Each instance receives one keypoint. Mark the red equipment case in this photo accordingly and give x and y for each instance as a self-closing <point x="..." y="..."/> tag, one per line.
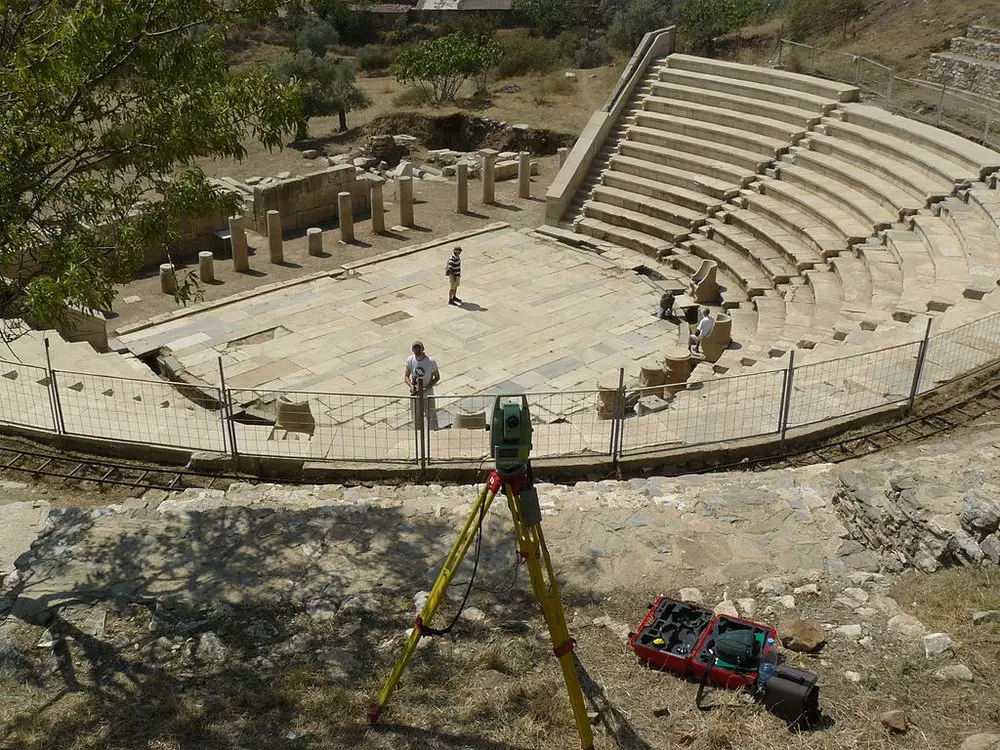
<point x="681" y="638"/>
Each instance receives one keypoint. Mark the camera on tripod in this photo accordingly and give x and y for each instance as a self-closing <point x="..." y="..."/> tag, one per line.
<point x="510" y="432"/>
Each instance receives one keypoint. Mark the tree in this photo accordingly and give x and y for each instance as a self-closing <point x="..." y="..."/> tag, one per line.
<point x="439" y="67"/>
<point x="633" y="19"/>
<point x="548" y="16"/>
<point x="316" y="35"/>
<point x="326" y="86"/>
<point x="103" y="103"/>
<point x="706" y="20"/>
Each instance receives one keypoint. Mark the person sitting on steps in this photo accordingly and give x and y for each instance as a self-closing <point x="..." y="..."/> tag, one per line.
<point x="704" y="330"/>
<point x="666" y="306"/>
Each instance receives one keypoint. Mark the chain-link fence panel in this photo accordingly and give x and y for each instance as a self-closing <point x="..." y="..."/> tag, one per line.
<point x="713" y="410"/>
<point x="874" y="77"/>
<point x="850" y="385"/>
<point x="325" y="426"/>
<point x="141" y="411"/>
<point x="26" y="396"/>
<point x="960" y="351"/>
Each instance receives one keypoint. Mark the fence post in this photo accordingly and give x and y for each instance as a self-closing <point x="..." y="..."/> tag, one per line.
<point x="986" y="130"/>
<point x="940" y="104"/>
<point x="813" y="71"/>
<point x="54" y="404"/>
<point x="417" y="404"/>
<point x="918" y="370"/>
<point x="617" y="418"/>
<point x="226" y="404"/>
<point x="888" y="92"/>
<point x="857" y="70"/>
<point x="786" y="395"/>
<point x="781" y="48"/>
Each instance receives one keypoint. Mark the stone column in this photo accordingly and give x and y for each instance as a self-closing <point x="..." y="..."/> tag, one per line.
<point x="405" y="195"/>
<point x="462" y="202"/>
<point x="274" y="237"/>
<point x="524" y="174"/>
<point x="378" y="209"/>
<point x="206" y="267"/>
<point x="314" y="236"/>
<point x="345" y="215"/>
<point x="238" y="242"/>
<point x="563" y="154"/>
<point x="677" y="364"/>
<point x="489" y="161"/>
<point x="168" y="279"/>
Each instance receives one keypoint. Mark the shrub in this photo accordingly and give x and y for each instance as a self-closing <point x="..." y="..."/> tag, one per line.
<point x="317" y="36"/>
<point x="411" y="97"/>
<point x="805" y="17"/>
<point x="440" y="66"/>
<point x="407" y="33"/>
<point x="592" y="53"/>
<point x="549" y="87"/>
<point x="633" y="19"/>
<point x="548" y="16"/>
<point x="523" y="54"/>
<point x="374" y="57"/>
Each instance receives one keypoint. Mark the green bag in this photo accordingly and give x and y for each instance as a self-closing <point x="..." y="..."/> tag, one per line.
<point x="737" y="649"/>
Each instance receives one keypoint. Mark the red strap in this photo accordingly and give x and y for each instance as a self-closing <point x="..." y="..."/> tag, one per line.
<point x="418" y="625"/>
<point x="565" y="648"/>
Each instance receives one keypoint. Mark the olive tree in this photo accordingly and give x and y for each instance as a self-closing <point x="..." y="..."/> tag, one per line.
<point x="439" y="67"/>
<point x="326" y="86"/>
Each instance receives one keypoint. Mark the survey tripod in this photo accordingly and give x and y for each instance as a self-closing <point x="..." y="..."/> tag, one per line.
<point x="510" y="446"/>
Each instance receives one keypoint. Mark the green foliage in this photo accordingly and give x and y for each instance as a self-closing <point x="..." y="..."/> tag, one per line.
<point x="523" y="54"/>
<point x="549" y="87"/>
<point x="326" y="87"/>
<point x="101" y="102"/>
<point x="592" y="53"/>
<point x="440" y="66"/>
<point x="410" y="97"/>
<point x="350" y="20"/>
<point x="705" y="20"/>
<point x="404" y="33"/>
<point x="317" y="36"/>
<point x="549" y="17"/>
<point x="805" y="17"/>
<point x="374" y="57"/>
<point x="632" y="19"/>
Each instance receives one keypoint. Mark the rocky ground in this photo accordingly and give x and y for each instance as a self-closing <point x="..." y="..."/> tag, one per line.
<point x="269" y="615"/>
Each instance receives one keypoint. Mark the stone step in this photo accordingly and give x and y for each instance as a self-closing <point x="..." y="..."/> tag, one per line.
<point x="922" y="290"/>
<point x="691" y="182"/>
<point x="855" y="204"/>
<point x="726" y="154"/>
<point x="783" y="79"/>
<point x="917" y="182"/>
<point x="630" y="238"/>
<point x="763" y="126"/>
<point x="671" y="213"/>
<point x="730" y="174"/>
<point x="695" y="201"/>
<point x="741" y="104"/>
<point x="976" y="237"/>
<point x="684" y="259"/>
<point x="949" y="147"/>
<point x="798" y="249"/>
<point x="751" y="279"/>
<point x="749" y="89"/>
<point x="768" y="260"/>
<point x="887" y="194"/>
<point x="818" y="208"/>
<point x="856" y="283"/>
<point x="987" y="202"/>
<point x="718" y="134"/>
<point x="622" y="217"/>
<point x="898" y="149"/>
<point x="886" y="277"/>
<point x="942" y="245"/>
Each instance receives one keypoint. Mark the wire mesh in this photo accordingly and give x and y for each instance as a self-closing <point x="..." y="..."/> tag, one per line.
<point x="960" y="351"/>
<point x="325" y="426"/>
<point x="25" y="396"/>
<point x="850" y="385"/>
<point x="140" y="411"/>
<point x="874" y="77"/>
<point x="839" y="66"/>
<point x="699" y="412"/>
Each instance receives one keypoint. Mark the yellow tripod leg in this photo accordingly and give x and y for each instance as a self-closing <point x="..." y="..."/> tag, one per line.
<point x="531" y="544"/>
<point x="448" y="570"/>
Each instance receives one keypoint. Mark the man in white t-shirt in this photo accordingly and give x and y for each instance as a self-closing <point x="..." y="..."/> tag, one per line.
<point x="703" y="331"/>
<point x="420" y="377"/>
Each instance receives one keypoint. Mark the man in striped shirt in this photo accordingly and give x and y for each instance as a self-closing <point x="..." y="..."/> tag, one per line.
<point x="454" y="273"/>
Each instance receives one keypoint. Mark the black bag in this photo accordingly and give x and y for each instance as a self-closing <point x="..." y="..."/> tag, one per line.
<point x="737" y="648"/>
<point x="793" y="695"/>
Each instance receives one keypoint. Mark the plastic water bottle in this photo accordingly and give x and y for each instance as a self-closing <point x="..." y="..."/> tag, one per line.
<point x="768" y="661"/>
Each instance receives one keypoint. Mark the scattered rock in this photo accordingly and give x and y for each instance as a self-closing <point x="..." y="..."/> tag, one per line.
<point x="661" y="712"/>
<point x="981" y="742"/>
<point x="691" y="595"/>
<point x="406" y="140"/>
<point x="853" y="597"/>
<point x="310" y="153"/>
<point x="936" y="644"/>
<point x="809" y="589"/>
<point x="894" y="721"/>
<point x="211" y="649"/>
<point x="980" y="513"/>
<point x="987" y="617"/>
<point x="799" y="635"/>
<point x="787" y="601"/>
<point x="886" y="605"/>
<point x="420" y="599"/>
<point x="773" y="586"/>
<point x="849" y="631"/>
<point x="726" y="608"/>
<point x="252" y="180"/>
<point x="283" y="175"/>
<point x="473" y="614"/>
<point x="336" y="161"/>
<point x="852" y="677"/>
<point x="569" y="76"/>
<point x="954" y="673"/>
<point x="991" y="548"/>
<point x="965" y="548"/>
<point x="906" y="626"/>
<point x="747" y="607"/>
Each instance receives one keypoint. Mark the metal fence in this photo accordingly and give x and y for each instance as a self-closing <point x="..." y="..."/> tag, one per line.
<point x="962" y="111"/>
<point x="415" y="431"/>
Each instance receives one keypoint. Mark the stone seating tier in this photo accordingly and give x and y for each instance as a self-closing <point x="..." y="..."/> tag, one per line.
<point x="763" y="126"/>
<point x="821" y="239"/>
<point x="710" y="132"/>
<point x="843" y="195"/>
<point x="905" y="152"/>
<point x="692" y="182"/>
<point x="747" y="89"/>
<point x="855" y="281"/>
<point x="987" y="202"/>
<point x="782" y="237"/>
<point x="619" y="235"/>
<point x="819" y="209"/>
<point x="976" y="237"/>
<point x="747" y="106"/>
<point x="763" y="259"/>
<point x="694" y="201"/>
<point x="923" y="290"/>
<point x="672" y="213"/>
<point x="752" y="281"/>
<point x="887" y="194"/>
<point x="793" y="82"/>
<point x="971" y="157"/>
<point x="676" y="142"/>
<point x="729" y="174"/>
<point x="617" y="216"/>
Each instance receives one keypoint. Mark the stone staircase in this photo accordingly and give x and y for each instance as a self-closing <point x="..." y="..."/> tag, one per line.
<point x="972" y="62"/>
<point x="836" y="226"/>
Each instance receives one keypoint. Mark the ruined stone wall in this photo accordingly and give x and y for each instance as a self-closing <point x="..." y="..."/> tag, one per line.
<point x="308" y="200"/>
<point x="971" y="63"/>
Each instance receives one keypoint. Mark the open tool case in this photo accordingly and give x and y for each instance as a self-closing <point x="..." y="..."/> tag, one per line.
<point x="681" y="638"/>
